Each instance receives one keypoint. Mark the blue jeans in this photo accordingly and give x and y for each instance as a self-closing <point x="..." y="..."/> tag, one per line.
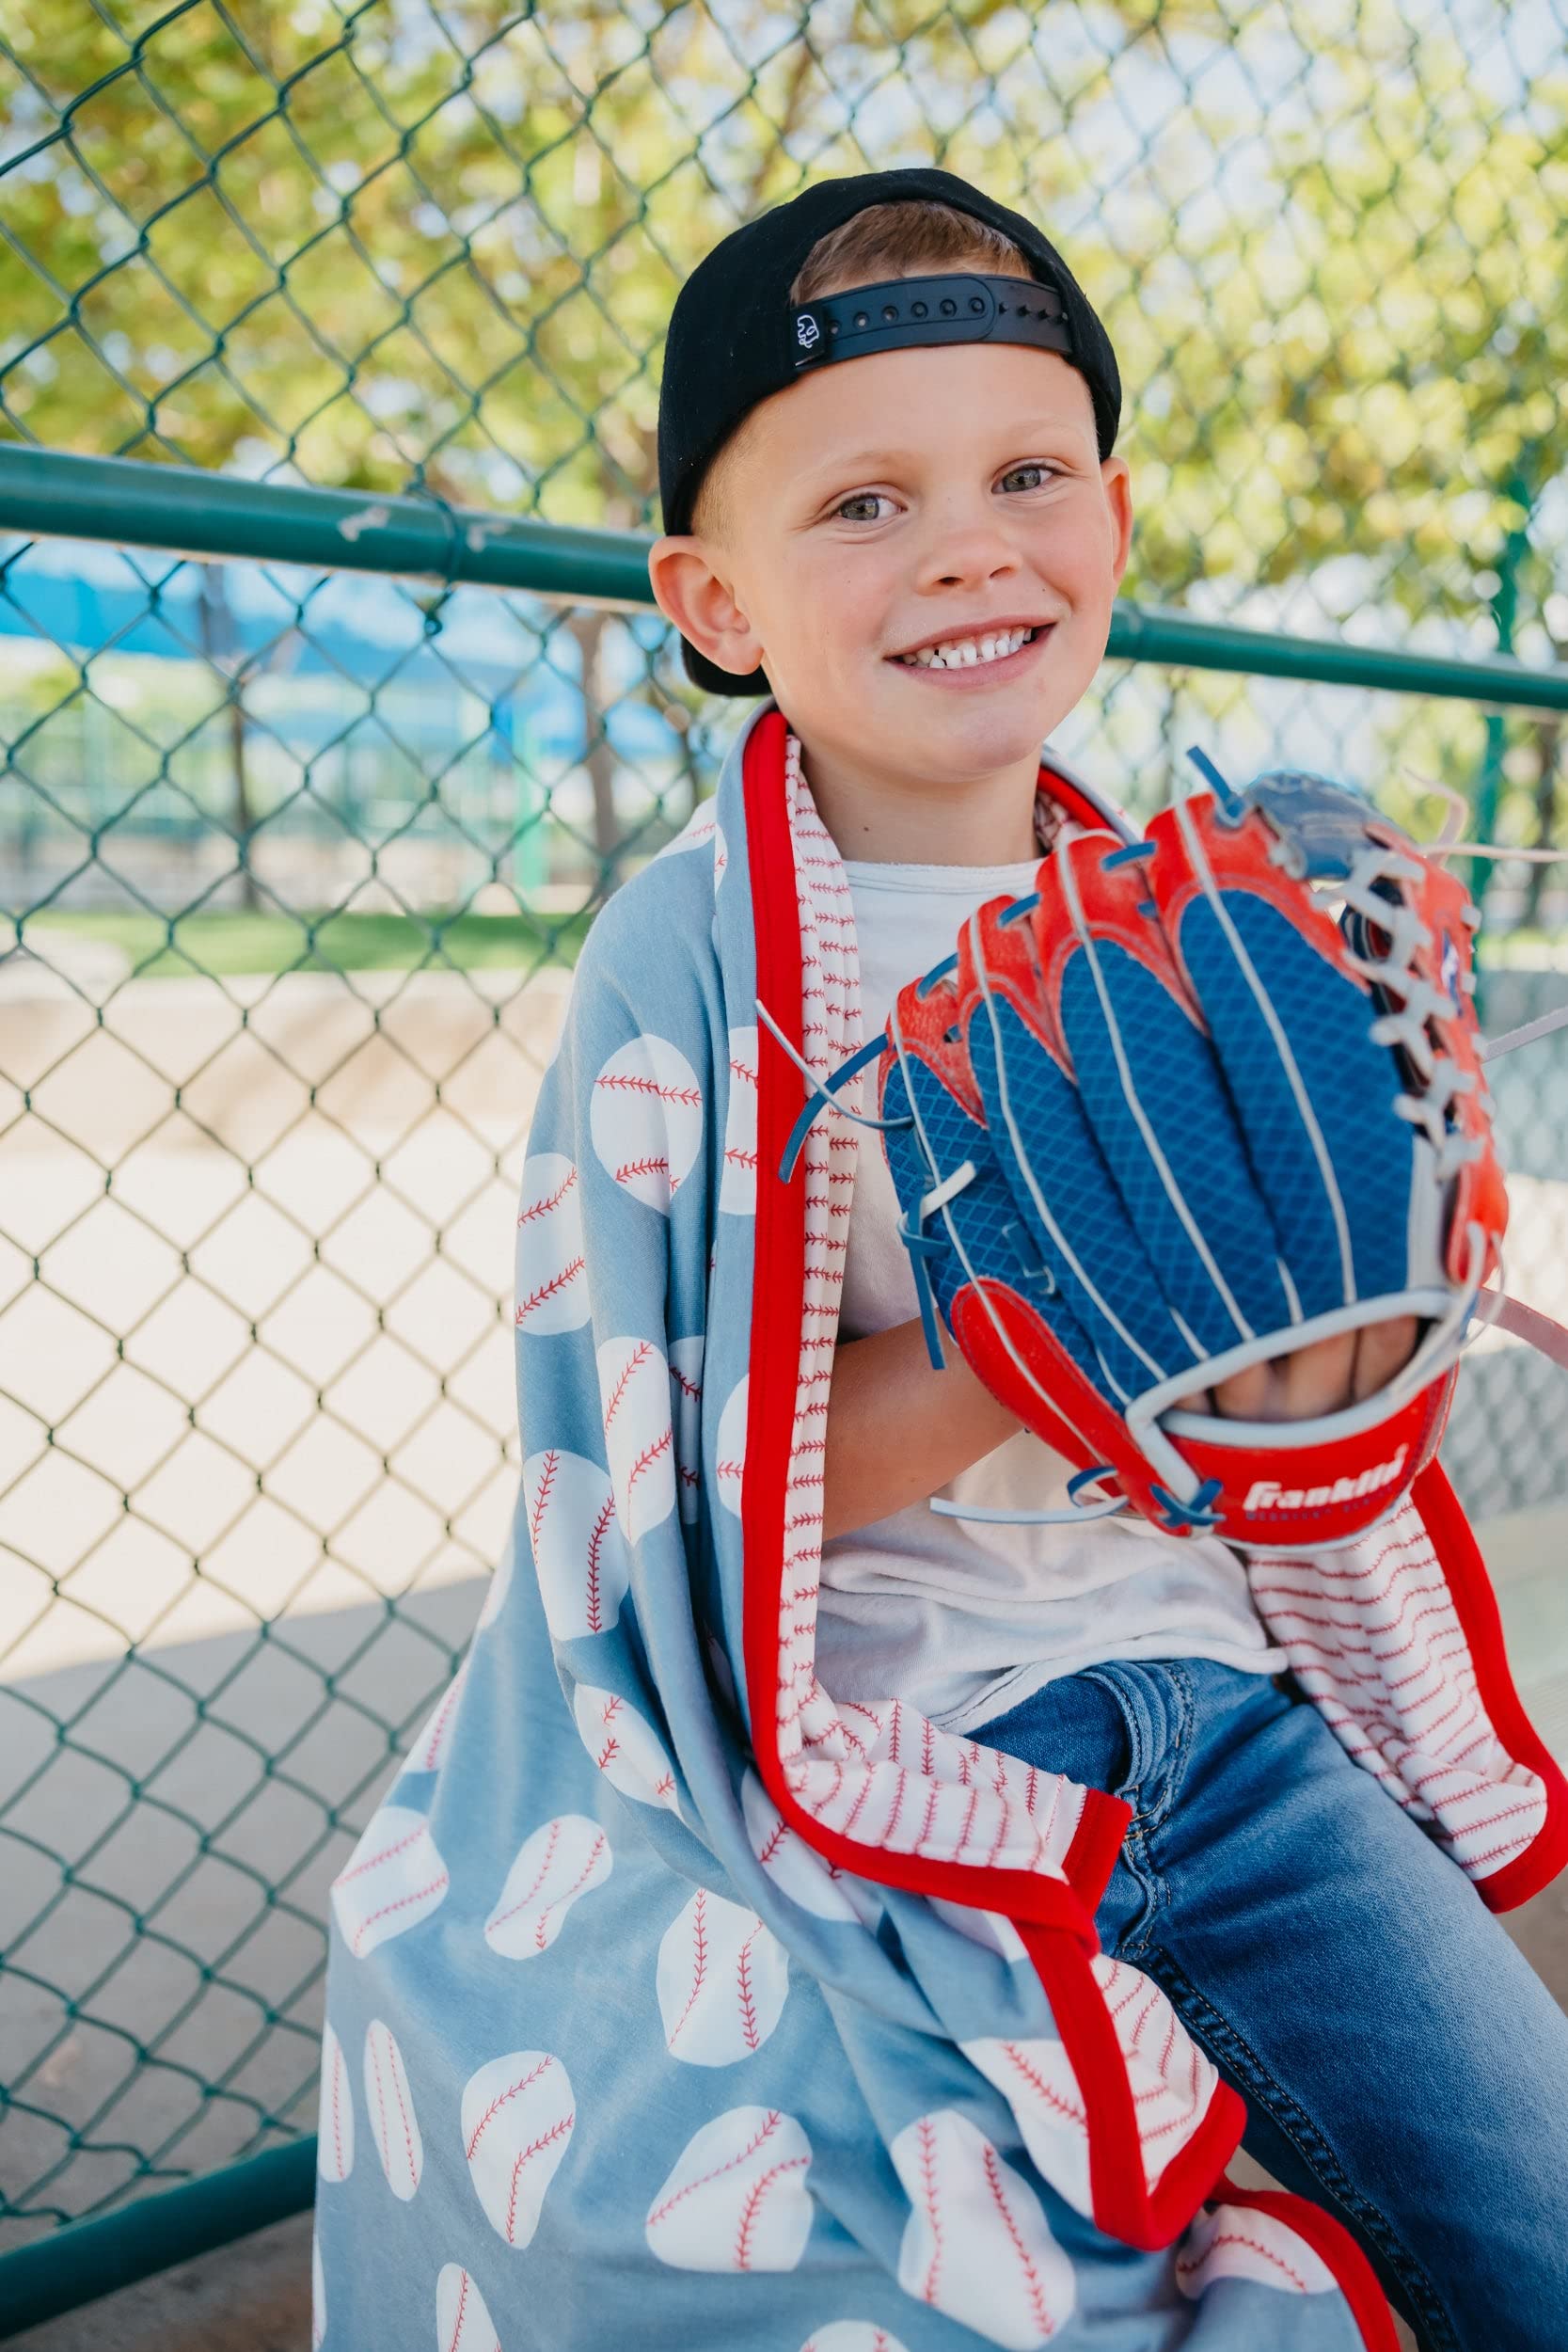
<point x="1402" y="2063"/>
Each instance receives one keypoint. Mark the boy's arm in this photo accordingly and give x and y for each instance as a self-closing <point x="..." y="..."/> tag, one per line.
<point x="898" y="1430"/>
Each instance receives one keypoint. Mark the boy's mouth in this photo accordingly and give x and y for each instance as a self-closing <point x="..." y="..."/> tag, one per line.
<point x="991" y="656"/>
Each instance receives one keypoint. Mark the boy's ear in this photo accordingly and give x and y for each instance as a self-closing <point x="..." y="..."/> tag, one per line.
<point x="689" y="592"/>
<point x="1116" y="475"/>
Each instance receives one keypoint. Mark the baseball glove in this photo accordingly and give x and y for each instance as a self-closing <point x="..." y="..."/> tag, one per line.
<point x="1196" y="1101"/>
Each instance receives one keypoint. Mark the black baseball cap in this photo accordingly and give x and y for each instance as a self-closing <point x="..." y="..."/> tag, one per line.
<point x="735" y="338"/>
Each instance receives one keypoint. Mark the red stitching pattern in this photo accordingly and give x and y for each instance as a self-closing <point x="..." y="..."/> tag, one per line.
<point x="645" y="1460"/>
<point x="1186" y="2264"/>
<point x="557" y="1283"/>
<point x="543" y="1208"/>
<point x="1039" y="2309"/>
<point x="551" y="1841"/>
<point x="524" y="2082"/>
<point x="1042" y="2089"/>
<point x="692" y="1096"/>
<point x="386" y="1909"/>
<point x="372" y="1861"/>
<point x="699" y="1960"/>
<point x="629" y="1169"/>
<point x="438" y="1727"/>
<point x="774" y="1840"/>
<point x="557" y="1901"/>
<point x="394" y="2068"/>
<point x="754" y="2199"/>
<point x="773" y="2118"/>
<point x="383" y="2141"/>
<point x="596" y="1545"/>
<point x="462" y="2307"/>
<point x="339" y="2071"/>
<point x="639" y="1356"/>
<point x="546" y="1480"/>
<point x="527" y="2157"/>
<point x="926" y="2137"/>
<point x="748" y="2030"/>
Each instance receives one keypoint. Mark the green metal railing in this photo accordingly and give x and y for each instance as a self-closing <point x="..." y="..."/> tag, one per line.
<point x="333" y="705"/>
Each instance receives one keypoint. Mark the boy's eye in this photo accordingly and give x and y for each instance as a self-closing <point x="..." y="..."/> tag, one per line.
<point x="861" y="498"/>
<point x="869" y="497"/>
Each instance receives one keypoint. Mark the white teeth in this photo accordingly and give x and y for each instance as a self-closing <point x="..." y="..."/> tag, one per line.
<point x="964" y="653"/>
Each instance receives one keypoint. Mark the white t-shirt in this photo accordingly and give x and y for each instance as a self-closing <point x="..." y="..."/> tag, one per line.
<point x="962" y="1619"/>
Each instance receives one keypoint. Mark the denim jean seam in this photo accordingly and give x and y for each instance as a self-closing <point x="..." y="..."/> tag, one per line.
<point x="1315" y="2151"/>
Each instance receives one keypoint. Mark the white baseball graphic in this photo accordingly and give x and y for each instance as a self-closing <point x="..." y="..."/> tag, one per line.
<point x="334" y="2114"/>
<point x="624" y="1746"/>
<point x="1039" y="2084"/>
<point x="429" y="1751"/>
<point x="852" y="2335"/>
<point x="390" y="2106"/>
<point x="563" y="1861"/>
<point x="977" y="2245"/>
<point x="462" y="2322"/>
<point x="517" y="2116"/>
<point x="646" y="1117"/>
<point x="685" y="1408"/>
<point x="701" y="829"/>
<point x="721" y="1980"/>
<point x="318" y="2298"/>
<point x="579" y="1549"/>
<point x="730" y="1467"/>
<point x="737" y="2198"/>
<point x="638" y="1434"/>
<point x="795" y="1867"/>
<point x="393" y="1880"/>
<point x="551" y="1292"/>
<point x="738" y="1185"/>
<point x="1240" y="2241"/>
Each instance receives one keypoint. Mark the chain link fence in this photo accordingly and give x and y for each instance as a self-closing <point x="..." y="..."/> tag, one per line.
<point x="296" y="861"/>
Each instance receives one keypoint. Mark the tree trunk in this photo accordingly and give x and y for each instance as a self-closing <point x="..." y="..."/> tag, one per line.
<point x="217" y="642"/>
<point x="1548" y="743"/>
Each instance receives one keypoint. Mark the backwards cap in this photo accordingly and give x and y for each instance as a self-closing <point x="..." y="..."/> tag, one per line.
<point x="735" y="337"/>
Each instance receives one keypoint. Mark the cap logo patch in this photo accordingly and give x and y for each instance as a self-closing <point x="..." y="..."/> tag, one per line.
<point x="806" y="330"/>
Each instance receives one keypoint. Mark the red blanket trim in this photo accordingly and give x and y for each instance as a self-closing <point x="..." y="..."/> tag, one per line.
<point x="1334" y="2244"/>
<point x="779" y="1273"/>
<point x="1119" y="2192"/>
<point x="1055" y="1920"/>
<point x="1475" y="1603"/>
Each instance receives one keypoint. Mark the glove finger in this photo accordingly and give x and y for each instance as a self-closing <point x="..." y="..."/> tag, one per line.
<point x="925" y="1076"/>
<point x="1314" y="1094"/>
<point x="1058" y="1176"/>
<point x="1151" y="1085"/>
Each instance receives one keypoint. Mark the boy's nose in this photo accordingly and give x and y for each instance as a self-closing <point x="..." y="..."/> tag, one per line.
<point x="971" y="551"/>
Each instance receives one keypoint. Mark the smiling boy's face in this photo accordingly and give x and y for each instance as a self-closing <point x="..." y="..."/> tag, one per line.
<point x="884" y="502"/>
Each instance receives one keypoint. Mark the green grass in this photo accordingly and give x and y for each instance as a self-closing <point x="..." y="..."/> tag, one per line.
<point x="241" y="942"/>
<point x="234" y="942"/>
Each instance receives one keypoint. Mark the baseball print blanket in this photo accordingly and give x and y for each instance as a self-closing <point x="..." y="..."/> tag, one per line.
<point x="671" y="2004"/>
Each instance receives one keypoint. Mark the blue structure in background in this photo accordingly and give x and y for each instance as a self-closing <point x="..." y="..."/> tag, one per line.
<point x="92" y="601"/>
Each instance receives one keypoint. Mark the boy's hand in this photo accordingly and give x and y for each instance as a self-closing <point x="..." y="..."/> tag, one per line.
<point x="1321" y="1377"/>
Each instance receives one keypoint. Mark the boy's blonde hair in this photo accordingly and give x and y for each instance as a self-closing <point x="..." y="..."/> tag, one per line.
<point x="905" y="240"/>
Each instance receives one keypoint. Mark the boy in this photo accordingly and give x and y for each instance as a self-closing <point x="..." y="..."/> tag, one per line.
<point x="807" y="1980"/>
